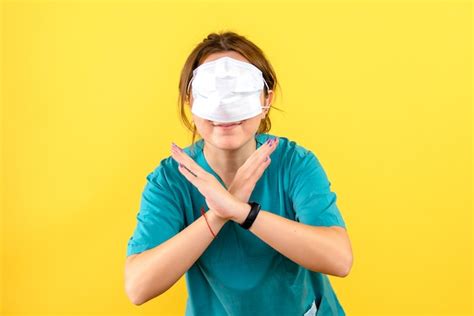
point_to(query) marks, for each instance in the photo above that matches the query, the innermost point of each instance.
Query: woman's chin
(228, 145)
(228, 142)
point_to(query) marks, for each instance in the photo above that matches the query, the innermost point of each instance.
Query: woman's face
(237, 135)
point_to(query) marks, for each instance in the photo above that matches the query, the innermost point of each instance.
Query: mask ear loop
(268, 89)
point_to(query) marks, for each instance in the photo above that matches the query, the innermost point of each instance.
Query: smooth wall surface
(380, 91)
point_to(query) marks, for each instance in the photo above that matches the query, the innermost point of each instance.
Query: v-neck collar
(260, 139)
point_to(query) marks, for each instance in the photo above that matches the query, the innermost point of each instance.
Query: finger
(188, 175)
(253, 168)
(257, 158)
(263, 151)
(180, 160)
(181, 157)
(175, 155)
(271, 145)
(261, 168)
(186, 160)
(186, 170)
(270, 148)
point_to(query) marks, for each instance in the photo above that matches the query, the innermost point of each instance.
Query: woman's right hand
(248, 174)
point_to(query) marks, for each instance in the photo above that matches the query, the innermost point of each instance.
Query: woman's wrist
(241, 212)
(215, 220)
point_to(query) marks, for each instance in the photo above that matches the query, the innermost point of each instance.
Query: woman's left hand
(217, 197)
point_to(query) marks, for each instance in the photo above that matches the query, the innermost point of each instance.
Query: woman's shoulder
(165, 171)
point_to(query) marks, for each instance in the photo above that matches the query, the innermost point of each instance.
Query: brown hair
(218, 42)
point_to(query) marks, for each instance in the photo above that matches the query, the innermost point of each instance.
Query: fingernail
(266, 159)
(271, 142)
(268, 141)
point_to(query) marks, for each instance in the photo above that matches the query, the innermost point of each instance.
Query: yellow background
(380, 91)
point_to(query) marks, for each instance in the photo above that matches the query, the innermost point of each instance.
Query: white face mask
(227, 90)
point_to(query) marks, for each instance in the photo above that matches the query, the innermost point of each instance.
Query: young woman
(248, 216)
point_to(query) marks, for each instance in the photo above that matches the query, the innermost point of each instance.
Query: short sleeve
(160, 216)
(313, 201)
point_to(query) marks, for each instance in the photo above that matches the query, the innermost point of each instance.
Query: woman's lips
(224, 125)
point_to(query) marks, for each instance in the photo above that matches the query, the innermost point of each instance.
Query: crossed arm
(317, 248)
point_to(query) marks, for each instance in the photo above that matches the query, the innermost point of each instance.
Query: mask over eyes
(227, 90)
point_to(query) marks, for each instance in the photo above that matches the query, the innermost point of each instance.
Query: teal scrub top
(239, 274)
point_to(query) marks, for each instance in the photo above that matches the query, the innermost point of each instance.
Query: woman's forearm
(154, 271)
(317, 248)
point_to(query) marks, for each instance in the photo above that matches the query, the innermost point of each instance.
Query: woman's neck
(227, 162)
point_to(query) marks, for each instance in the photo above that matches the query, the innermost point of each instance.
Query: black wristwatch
(255, 208)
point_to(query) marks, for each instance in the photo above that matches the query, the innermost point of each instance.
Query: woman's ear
(268, 101)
